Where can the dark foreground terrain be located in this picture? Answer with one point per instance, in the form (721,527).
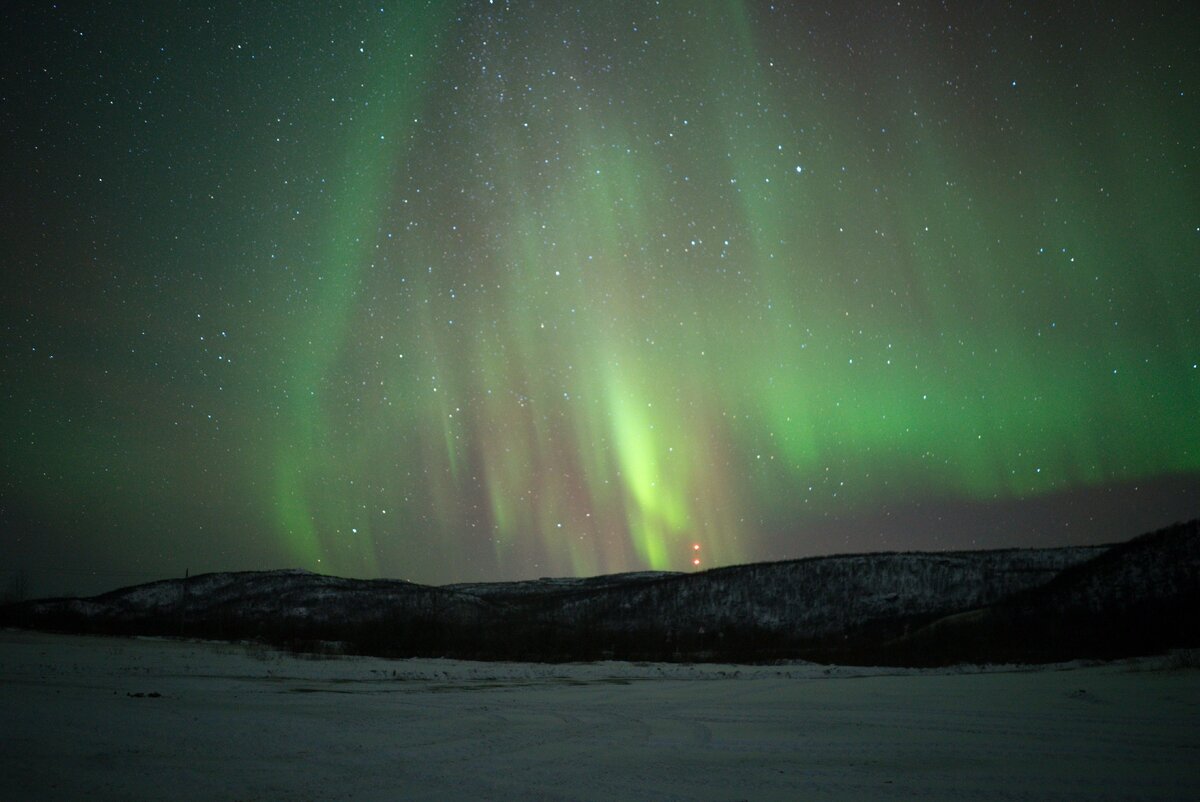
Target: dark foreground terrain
(915,609)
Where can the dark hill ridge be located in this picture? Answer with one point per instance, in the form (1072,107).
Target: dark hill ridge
(821,596)
(546,586)
(1138,597)
(899,608)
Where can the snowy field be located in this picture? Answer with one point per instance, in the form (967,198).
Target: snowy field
(98,719)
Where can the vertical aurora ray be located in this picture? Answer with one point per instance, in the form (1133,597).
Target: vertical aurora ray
(316,467)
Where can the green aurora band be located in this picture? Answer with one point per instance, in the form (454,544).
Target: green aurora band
(561,290)
(633,330)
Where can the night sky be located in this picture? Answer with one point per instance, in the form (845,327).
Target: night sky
(484,291)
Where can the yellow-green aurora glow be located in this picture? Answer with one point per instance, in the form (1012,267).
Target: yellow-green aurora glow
(480,290)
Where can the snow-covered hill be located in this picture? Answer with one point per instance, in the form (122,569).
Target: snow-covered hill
(874,608)
(1138,597)
(820,596)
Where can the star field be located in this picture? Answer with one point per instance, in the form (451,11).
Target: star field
(495,290)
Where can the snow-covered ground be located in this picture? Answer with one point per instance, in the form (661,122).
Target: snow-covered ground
(99,718)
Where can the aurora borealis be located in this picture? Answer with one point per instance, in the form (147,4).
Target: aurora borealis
(459,291)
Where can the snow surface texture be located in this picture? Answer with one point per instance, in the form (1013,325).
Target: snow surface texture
(80,719)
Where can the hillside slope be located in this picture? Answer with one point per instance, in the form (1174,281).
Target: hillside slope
(897,608)
(1139,597)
